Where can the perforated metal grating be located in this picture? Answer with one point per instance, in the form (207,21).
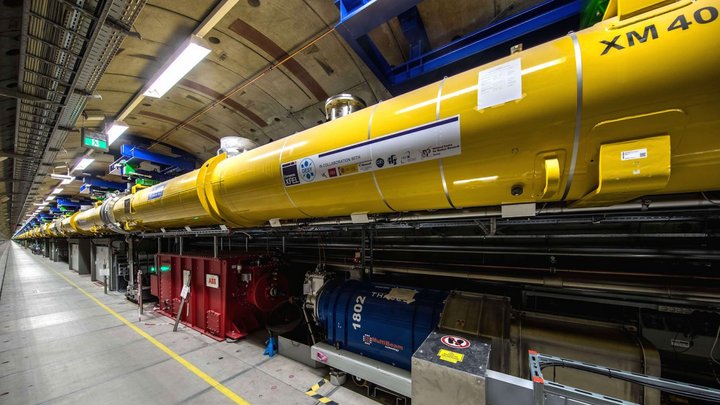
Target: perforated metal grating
(65,48)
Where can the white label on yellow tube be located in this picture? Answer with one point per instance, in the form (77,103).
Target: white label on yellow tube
(156,192)
(634,154)
(436,140)
(500,84)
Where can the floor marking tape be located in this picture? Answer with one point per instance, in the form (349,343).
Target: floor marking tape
(205,377)
(312,392)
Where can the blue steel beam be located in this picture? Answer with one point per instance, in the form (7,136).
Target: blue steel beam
(111,185)
(66,202)
(503,33)
(358,17)
(133,152)
(414,30)
(533,26)
(145,143)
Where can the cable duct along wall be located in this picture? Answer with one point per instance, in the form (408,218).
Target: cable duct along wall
(66,46)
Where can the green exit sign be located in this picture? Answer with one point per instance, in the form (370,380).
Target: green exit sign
(94,139)
(95,143)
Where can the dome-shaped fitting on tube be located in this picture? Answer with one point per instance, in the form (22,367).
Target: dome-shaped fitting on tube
(341,105)
(235,145)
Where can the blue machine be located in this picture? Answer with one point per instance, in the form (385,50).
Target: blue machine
(380,321)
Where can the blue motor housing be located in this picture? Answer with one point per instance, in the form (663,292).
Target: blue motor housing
(380,321)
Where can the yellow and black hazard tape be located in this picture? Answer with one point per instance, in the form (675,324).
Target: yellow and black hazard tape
(313,392)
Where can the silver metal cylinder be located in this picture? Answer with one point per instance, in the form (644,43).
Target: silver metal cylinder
(341,105)
(235,145)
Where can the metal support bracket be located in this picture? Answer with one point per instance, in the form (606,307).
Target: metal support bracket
(548,391)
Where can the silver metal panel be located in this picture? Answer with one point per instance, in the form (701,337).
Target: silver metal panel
(102,262)
(518,210)
(501,389)
(74,256)
(445,371)
(392,378)
(560,400)
(482,315)
(296,351)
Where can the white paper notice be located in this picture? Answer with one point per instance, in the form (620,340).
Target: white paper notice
(499,84)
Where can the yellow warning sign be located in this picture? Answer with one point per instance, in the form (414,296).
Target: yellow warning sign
(451,357)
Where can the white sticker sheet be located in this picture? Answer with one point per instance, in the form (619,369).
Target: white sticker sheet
(634,154)
(499,84)
(431,141)
(156,191)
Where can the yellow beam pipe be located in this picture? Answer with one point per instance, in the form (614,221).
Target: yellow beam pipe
(526,128)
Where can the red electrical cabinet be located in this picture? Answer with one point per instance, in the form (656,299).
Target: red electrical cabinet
(229,296)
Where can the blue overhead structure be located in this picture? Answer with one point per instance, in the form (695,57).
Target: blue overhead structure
(45,216)
(171,165)
(66,206)
(145,143)
(90,183)
(68,203)
(548,20)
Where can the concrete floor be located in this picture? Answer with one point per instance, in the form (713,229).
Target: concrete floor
(58,346)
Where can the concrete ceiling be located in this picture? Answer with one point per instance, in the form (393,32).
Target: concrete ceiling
(253,36)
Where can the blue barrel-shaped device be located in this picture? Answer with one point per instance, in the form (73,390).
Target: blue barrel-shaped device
(380,321)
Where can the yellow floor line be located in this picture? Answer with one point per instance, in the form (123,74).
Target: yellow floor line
(211,381)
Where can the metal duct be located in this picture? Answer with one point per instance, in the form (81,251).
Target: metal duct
(65,48)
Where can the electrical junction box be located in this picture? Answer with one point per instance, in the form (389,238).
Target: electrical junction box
(450,368)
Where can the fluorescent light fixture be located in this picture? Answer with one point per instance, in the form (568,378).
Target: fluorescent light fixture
(67,181)
(95,118)
(60,176)
(114,131)
(50,198)
(57,191)
(189,55)
(84,163)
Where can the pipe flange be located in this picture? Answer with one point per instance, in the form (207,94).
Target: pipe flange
(107,215)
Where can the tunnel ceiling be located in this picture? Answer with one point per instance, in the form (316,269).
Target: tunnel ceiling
(266,103)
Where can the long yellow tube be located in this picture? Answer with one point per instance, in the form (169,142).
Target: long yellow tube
(626,108)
